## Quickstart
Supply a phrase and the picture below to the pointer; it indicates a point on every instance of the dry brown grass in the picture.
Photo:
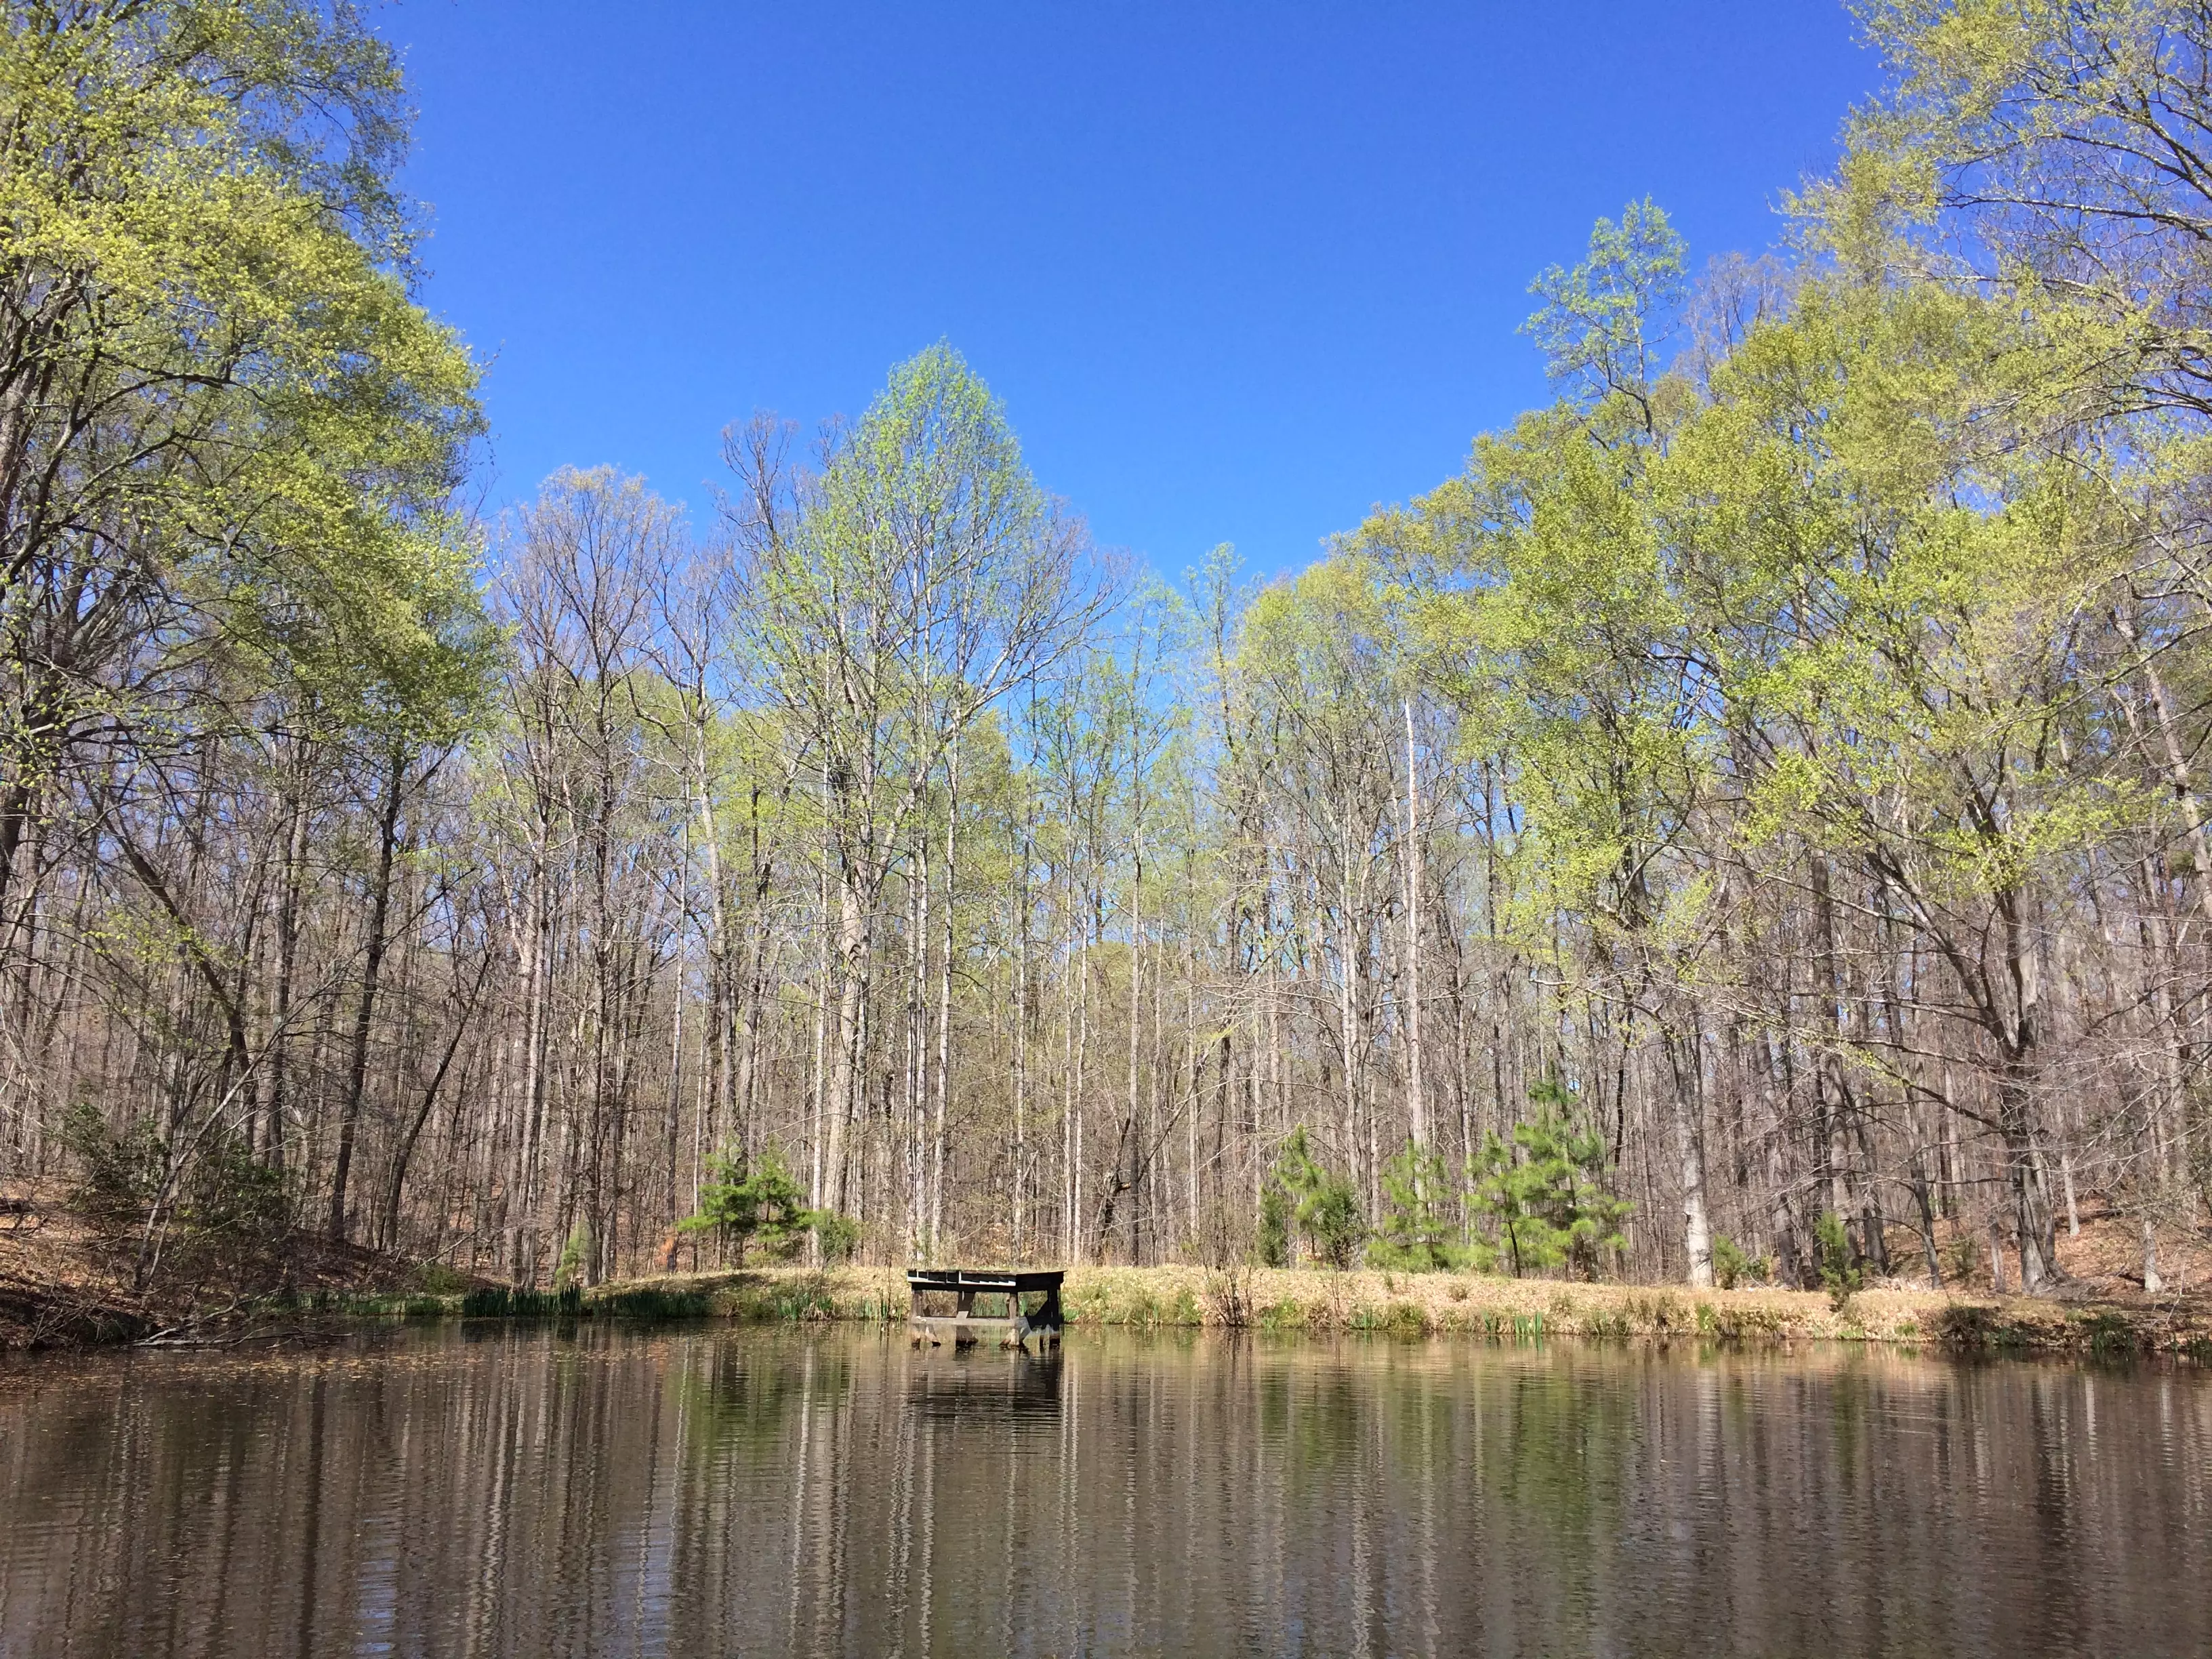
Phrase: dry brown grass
(1417, 1304)
(56, 1285)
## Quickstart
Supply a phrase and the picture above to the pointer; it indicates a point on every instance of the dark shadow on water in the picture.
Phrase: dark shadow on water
(984, 1385)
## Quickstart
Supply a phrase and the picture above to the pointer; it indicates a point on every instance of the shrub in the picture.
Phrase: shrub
(1415, 1236)
(1730, 1263)
(1655, 1312)
(1543, 1194)
(1229, 1295)
(200, 1209)
(838, 1236)
(1839, 1274)
(1335, 1222)
(1277, 1208)
(2107, 1333)
(1312, 1204)
(1734, 1324)
(1136, 1306)
(807, 1298)
(1406, 1319)
(569, 1269)
(759, 1203)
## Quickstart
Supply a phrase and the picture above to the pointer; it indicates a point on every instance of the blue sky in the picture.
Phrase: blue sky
(1237, 271)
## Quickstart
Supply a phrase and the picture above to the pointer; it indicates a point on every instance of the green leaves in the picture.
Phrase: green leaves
(1840, 1275)
(229, 435)
(1415, 1236)
(918, 578)
(1846, 597)
(1603, 323)
(1304, 1200)
(760, 1203)
(1543, 1194)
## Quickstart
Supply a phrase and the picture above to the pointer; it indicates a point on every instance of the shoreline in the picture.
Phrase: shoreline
(1301, 1300)
(1276, 1301)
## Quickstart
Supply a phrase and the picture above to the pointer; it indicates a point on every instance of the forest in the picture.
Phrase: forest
(1746, 821)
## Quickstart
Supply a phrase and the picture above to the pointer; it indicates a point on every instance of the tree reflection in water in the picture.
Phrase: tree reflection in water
(708, 1489)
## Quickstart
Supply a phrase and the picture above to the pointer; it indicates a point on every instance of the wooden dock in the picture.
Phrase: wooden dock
(1018, 1303)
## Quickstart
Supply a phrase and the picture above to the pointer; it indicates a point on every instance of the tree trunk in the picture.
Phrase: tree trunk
(1690, 1156)
(938, 1148)
(372, 966)
(852, 975)
(1417, 1111)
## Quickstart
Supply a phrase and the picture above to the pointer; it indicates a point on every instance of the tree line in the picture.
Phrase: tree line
(1746, 822)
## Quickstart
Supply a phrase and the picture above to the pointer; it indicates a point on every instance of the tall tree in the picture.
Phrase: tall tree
(917, 578)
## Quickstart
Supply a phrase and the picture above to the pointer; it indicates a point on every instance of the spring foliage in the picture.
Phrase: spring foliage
(1766, 779)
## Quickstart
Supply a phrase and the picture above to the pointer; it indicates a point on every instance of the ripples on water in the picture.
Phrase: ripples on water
(718, 1491)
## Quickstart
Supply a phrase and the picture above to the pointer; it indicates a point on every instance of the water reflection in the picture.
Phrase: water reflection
(713, 1491)
(1015, 1388)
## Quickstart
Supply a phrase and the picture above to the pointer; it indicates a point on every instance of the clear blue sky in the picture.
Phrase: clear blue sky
(1237, 271)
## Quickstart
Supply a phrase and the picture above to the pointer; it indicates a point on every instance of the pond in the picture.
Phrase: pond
(684, 1490)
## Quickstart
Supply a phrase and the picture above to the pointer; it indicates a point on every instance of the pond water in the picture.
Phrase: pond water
(715, 1490)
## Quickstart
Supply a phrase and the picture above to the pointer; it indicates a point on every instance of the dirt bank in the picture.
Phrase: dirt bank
(63, 1286)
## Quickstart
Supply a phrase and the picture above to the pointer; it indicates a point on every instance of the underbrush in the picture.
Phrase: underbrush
(180, 1219)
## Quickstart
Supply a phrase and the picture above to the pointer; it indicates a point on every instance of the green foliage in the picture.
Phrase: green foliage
(569, 1269)
(1278, 1216)
(1415, 1235)
(1839, 1271)
(836, 1236)
(782, 1300)
(403, 1304)
(1332, 1219)
(925, 529)
(497, 1302)
(1844, 590)
(204, 218)
(650, 1302)
(1733, 1265)
(2045, 134)
(1602, 323)
(760, 1204)
(1543, 1194)
(242, 442)
(1313, 1204)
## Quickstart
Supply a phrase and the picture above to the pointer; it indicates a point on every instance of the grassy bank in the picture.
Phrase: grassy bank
(1424, 1304)
(59, 1288)
(1315, 1302)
